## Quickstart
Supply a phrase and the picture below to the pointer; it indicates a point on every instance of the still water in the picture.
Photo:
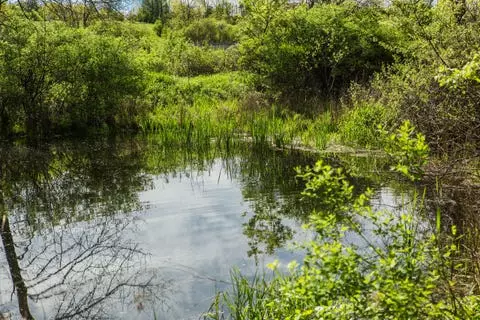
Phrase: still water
(128, 228)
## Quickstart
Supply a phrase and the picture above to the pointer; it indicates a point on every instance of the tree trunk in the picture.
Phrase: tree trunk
(20, 287)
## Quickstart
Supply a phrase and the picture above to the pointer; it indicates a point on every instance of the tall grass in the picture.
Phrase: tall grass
(241, 302)
(359, 126)
(198, 124)
(223, 122)
(201, 109)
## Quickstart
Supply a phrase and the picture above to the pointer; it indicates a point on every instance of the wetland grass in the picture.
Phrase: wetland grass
(224, 121)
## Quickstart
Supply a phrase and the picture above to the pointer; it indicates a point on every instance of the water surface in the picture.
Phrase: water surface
(129, 228)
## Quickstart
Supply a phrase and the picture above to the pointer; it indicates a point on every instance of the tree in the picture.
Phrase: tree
(314, 51)
(81, 13)
(14, 267)
(151, 10)
(261, 14)
(54, 78)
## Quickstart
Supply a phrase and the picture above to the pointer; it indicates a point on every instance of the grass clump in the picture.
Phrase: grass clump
(198, 124)
(194, 110)
(358, 126)
(222, 107)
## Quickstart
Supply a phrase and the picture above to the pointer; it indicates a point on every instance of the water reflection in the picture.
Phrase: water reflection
(63, 233)
(72, 181)
(131, 228)
(80, 270)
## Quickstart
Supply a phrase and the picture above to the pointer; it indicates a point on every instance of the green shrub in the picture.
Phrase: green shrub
(359, 125)
(319, 131)
(211, 31)
(181, 57)
(435, 88)
(447, 115)
(391, 271)
(408, 151)
(54, 77)
(128, 31)
(158, 27)
(165, 90)
(318, 50)
(182, 13)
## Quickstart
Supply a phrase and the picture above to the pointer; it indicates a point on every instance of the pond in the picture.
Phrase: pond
(130, 228)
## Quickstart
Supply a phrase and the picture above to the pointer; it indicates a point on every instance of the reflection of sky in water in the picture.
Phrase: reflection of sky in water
(192, 230)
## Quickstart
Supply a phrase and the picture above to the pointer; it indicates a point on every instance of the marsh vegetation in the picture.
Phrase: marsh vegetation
(101, 100)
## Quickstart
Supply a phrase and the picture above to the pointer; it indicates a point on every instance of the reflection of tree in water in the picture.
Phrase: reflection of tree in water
(269, 183)
(78, 268)
(67, 205)
(70, 181)
(14, 268)
(266, 230)
(63, 232)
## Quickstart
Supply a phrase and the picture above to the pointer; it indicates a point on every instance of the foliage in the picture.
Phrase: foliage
(409, 152)
(359, 125)
(319, 131)
(422, 60)
(455, 78)
(181, 57)
(447, 115)
(153, 10)
(435, 88)
(214, 107)
(211, 31)
(222, 10)
(73, 13)
(394, 270)
(260, 15)
(184, 12)
(63, 68)
(55, 77)
(165, 90)
(158, 27)
(314, 50)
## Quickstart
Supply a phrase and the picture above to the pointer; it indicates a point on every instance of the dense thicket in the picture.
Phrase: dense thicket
(53, 77)
(90, 68)
(437, 87)
(318, 51)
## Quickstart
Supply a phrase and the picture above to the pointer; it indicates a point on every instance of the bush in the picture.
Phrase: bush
(211, 31)
(55, 78)
(395, 271)
(436, 89)
(318, 50)
(408, 151)
(99, 82)
(165, 90)
(182, 58)
(448, 115)
(158, 27)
